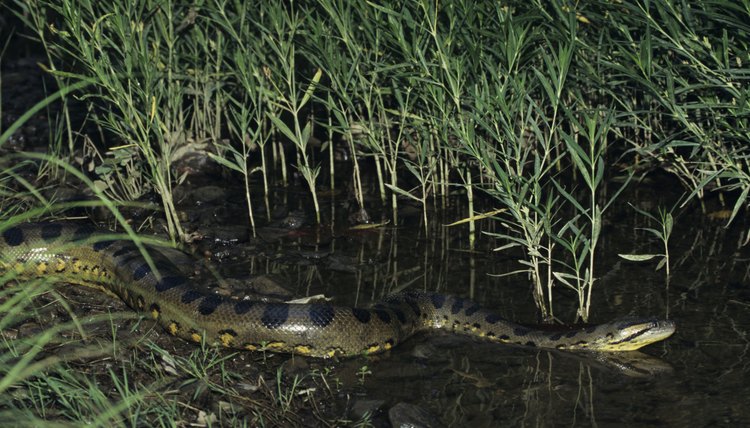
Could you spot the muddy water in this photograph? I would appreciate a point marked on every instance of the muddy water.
(461, 381)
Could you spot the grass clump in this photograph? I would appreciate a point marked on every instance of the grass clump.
(529, 104)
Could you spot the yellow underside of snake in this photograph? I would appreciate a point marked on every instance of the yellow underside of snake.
(80, 254)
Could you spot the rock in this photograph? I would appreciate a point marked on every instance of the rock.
(360, 408)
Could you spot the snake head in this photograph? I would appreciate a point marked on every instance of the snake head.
(629, 334)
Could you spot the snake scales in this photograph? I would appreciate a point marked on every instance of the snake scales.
(82, 255)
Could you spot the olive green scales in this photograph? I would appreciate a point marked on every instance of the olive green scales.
(80, 254)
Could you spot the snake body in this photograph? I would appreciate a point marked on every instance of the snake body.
(80, 254)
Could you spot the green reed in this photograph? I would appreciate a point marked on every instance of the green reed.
(524, 105)
(289, 96)
(127, 52)
(3, 48)
(689, 63)
(665, 220)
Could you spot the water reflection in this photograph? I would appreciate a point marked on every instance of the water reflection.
(695, 378)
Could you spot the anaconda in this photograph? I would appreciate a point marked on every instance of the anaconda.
(80, 254)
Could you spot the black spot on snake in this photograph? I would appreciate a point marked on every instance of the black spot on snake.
(124, 250)
(413, 305)
(209, 304)
(457, 305)
(571, 334)
(141, 271)
(13, 236)
(520, 331)
(50, 232)
(438, 300)
(189, 296)
(275, 315)
(383, 315)
(362, 315)
(400, 315)
(321, 315)
(493, 318)
(471, 310)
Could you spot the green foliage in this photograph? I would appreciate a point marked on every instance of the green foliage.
(530, 103)
(665, 220)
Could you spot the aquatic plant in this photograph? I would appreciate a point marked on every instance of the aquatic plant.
(518, 105)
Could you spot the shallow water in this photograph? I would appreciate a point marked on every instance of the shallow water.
(463, 381)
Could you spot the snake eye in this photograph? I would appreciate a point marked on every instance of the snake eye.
(637, 328)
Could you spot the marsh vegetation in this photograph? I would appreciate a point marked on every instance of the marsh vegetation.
(520, 124)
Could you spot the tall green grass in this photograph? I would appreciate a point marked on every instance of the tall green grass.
(522, 104)
(48, 373)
